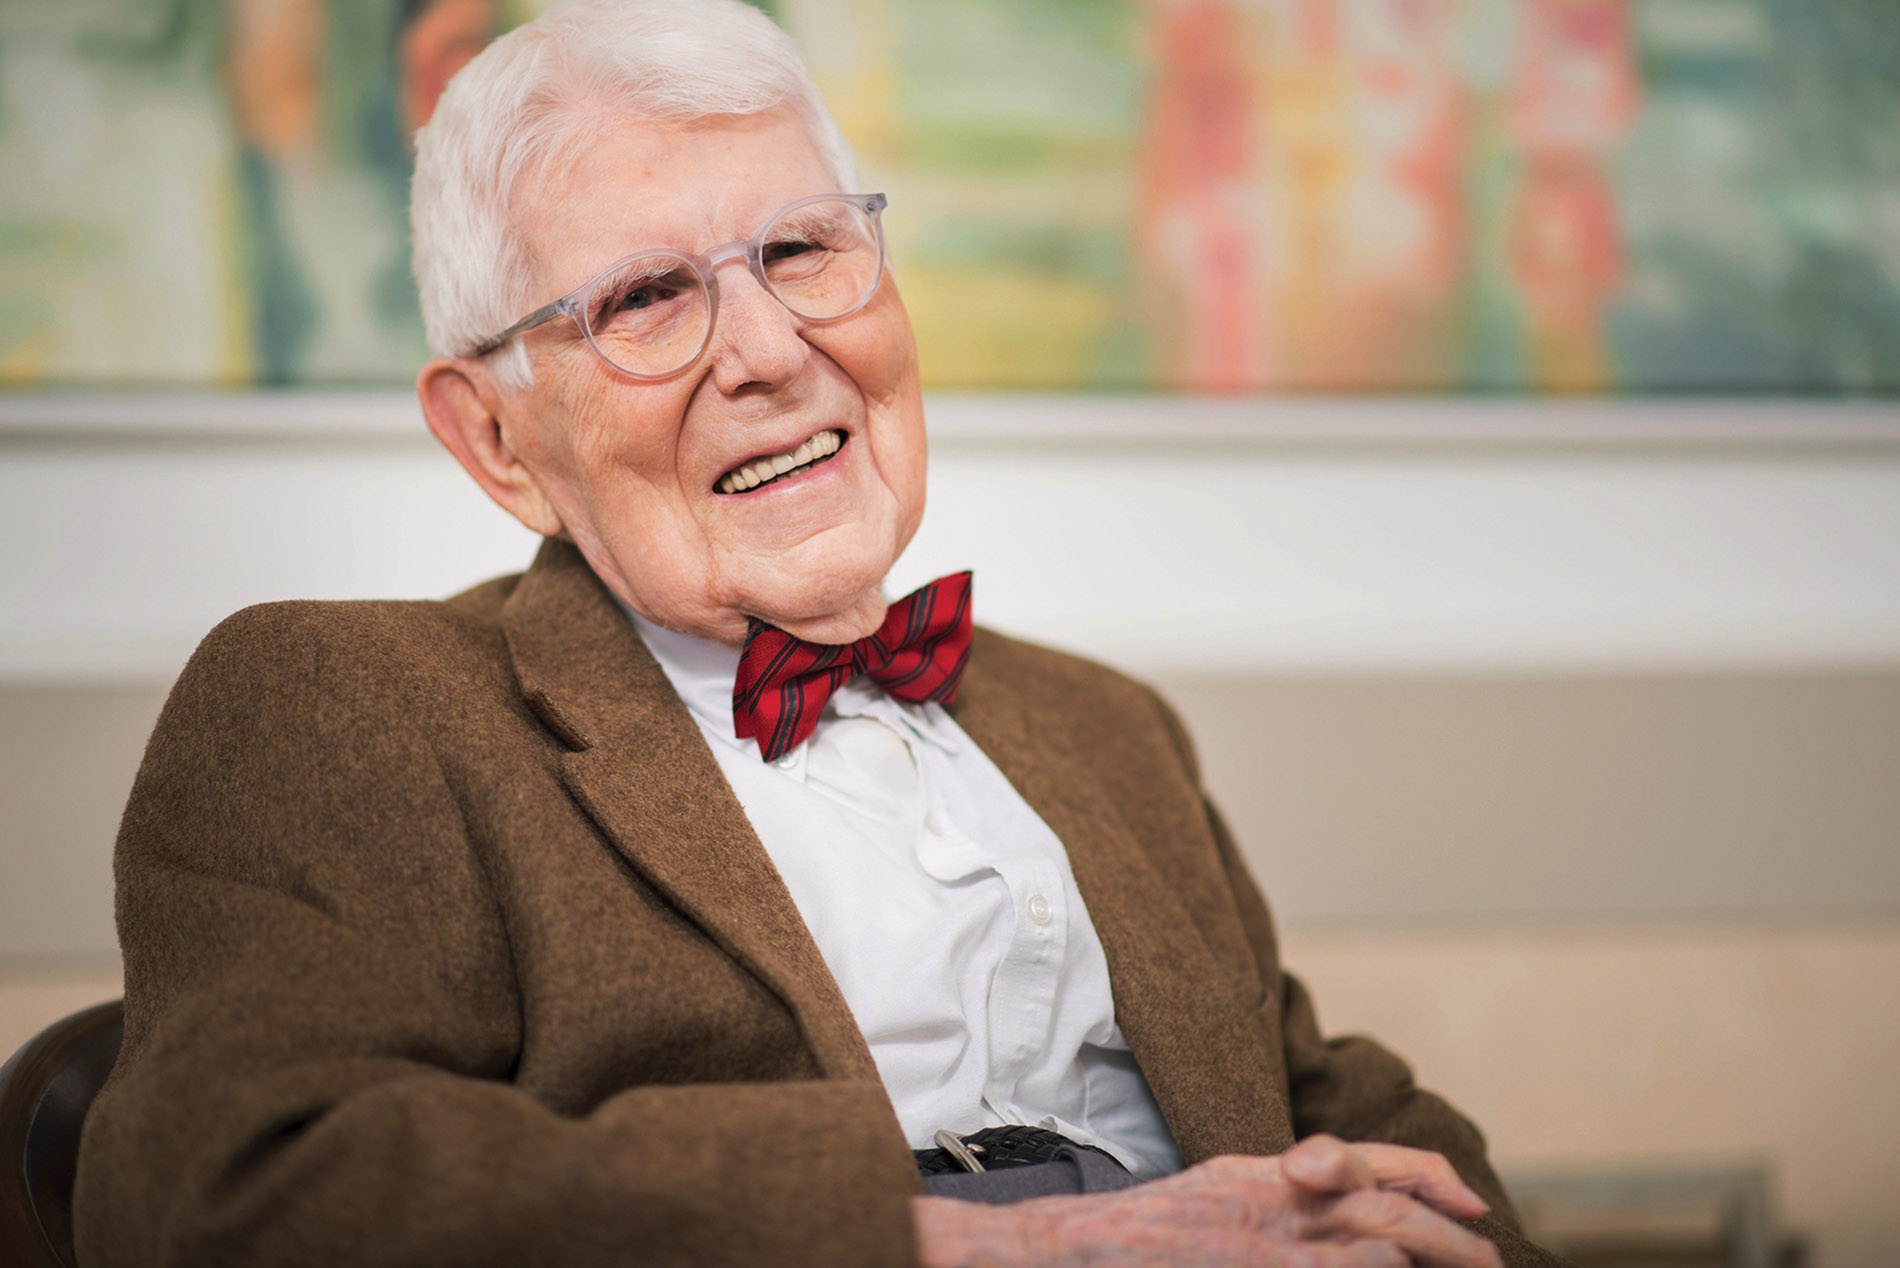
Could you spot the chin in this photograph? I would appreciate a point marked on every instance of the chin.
(836, 602)
(820, 599)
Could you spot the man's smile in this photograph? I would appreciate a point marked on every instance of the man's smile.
(751, 474)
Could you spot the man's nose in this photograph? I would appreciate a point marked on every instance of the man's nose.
(755, 338)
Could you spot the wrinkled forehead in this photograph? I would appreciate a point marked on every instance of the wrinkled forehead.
(614, 183)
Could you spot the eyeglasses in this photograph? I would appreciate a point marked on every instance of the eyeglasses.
(650, 315)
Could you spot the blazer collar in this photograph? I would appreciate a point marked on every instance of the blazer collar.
(638, 765)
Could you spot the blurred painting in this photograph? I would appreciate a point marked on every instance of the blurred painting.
(1121, 195)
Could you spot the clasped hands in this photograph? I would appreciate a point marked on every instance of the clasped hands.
(1321, 1204)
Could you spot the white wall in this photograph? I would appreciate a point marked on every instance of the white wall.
(1163, 534)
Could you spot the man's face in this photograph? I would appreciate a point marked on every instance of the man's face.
(631, 469)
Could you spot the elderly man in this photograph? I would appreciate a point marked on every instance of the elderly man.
(683, 900)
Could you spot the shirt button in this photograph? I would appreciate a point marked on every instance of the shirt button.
(1039, 909)
(788, 761)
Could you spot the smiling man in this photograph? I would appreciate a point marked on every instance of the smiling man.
(715, 455)
(684, 899)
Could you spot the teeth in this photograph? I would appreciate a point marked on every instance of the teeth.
(753, 474)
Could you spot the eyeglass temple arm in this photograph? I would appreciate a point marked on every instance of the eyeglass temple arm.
(540, 316)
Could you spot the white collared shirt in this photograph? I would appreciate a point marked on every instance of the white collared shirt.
(945, 909)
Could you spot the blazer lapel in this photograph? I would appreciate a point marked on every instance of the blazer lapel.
(640, 768)
(1184, 1016)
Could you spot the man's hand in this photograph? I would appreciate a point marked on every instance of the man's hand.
(1321, 1204)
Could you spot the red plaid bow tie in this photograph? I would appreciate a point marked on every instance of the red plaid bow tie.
(916, 655)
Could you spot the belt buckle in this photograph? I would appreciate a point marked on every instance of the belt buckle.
(965, 1155)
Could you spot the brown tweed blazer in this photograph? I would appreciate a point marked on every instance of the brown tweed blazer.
(446, 943)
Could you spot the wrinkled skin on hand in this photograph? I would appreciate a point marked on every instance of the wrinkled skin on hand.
(1321, 1204)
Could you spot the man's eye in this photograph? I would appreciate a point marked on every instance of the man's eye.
(776, 251)
(644, 297)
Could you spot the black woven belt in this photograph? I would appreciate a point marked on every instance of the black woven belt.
(996, 1149)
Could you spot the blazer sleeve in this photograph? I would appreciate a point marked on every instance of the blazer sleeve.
(1351, 1086)
(323, 1025)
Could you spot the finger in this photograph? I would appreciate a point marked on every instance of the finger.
(1428, 1237)
(1425, 1175)
(1359, 1254)
(1325, 1165)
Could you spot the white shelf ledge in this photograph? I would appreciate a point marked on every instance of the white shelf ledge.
(960, 419)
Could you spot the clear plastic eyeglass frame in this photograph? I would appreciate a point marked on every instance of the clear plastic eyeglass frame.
(576, 303)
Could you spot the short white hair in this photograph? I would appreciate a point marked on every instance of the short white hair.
(528, 101)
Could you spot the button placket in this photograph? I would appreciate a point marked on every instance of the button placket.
(1024, 1004)
(792, 763)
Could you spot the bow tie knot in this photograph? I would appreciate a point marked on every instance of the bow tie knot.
(917, 654)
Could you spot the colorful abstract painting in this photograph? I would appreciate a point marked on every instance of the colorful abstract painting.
(1200, 195)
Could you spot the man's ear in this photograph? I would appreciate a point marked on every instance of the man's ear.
(464, 407)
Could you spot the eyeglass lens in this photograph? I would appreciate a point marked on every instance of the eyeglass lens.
(653, 313)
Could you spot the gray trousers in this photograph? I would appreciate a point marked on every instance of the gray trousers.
(1070, 1171)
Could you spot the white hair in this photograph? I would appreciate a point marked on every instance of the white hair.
(528, 101)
